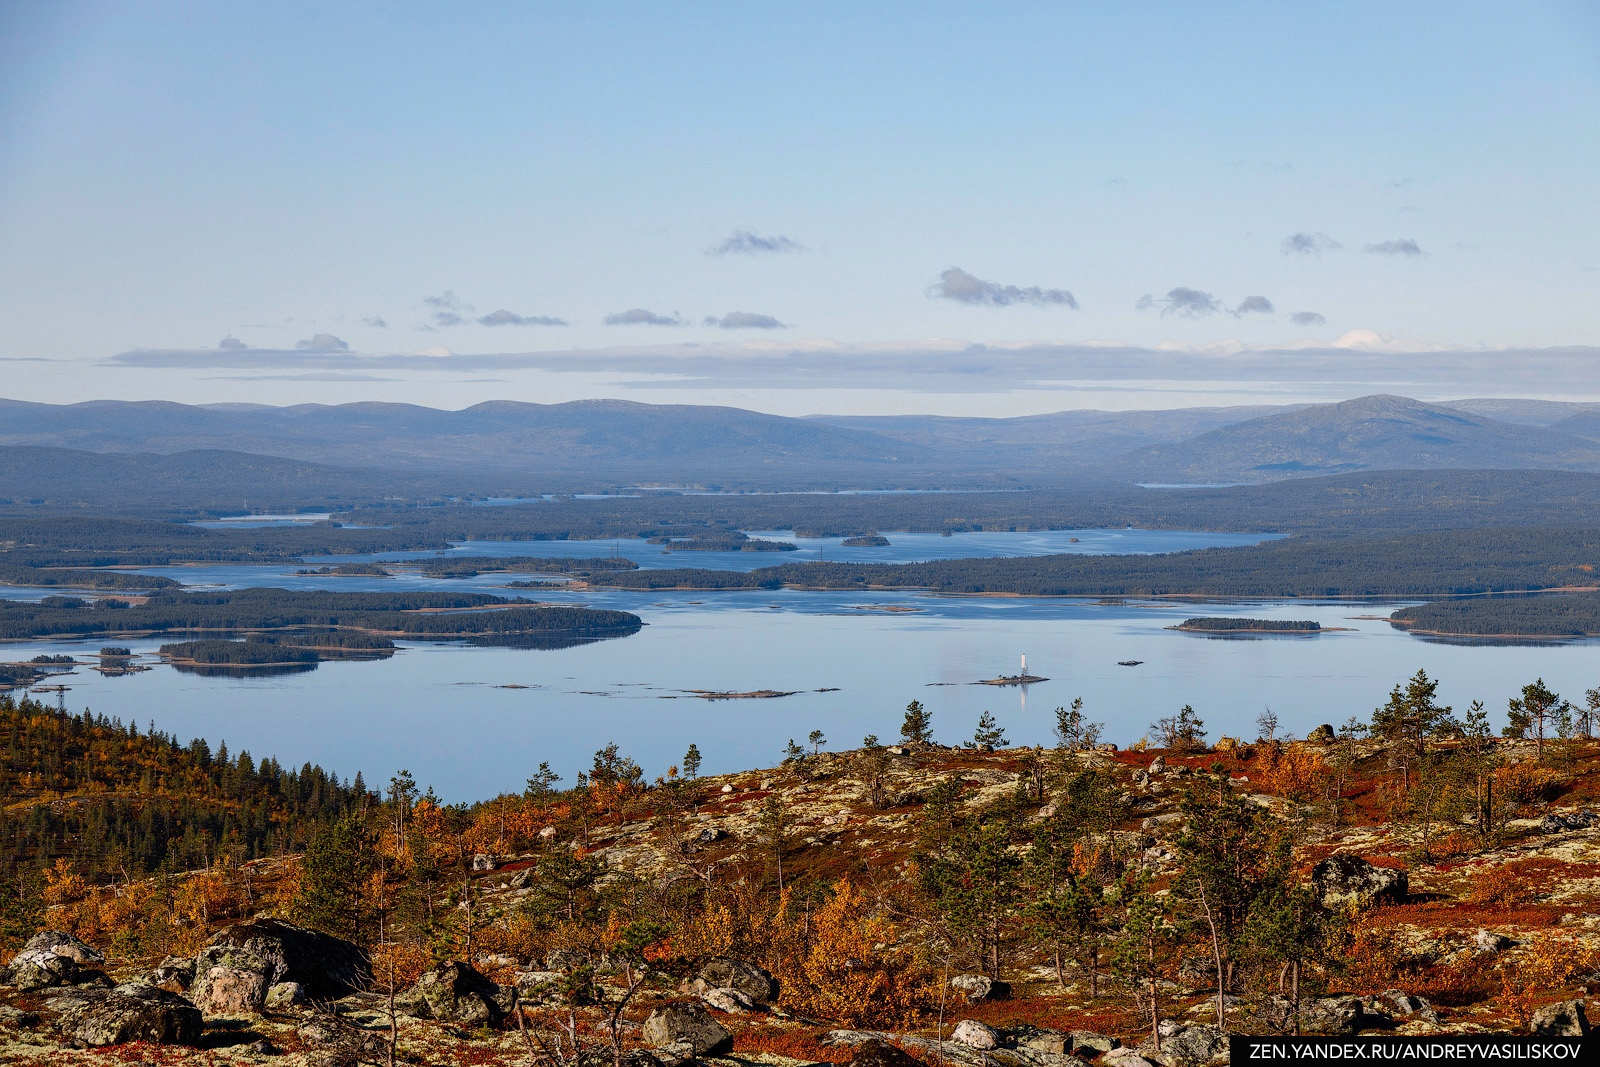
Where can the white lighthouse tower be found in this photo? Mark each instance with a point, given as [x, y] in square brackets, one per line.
[1024, 665]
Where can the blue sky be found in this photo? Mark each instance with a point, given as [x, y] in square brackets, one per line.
[753, 180]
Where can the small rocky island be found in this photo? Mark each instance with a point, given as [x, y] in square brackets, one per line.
[1014, 679]
[866, 541]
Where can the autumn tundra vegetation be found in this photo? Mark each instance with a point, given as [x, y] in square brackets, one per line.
[1411, 870]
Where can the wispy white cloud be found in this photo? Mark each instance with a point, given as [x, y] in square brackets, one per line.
[1183, 302]
[642, 317]
[511, 318]
[750, 243]
[1308, 244]
[1399, 246]
[744, 320]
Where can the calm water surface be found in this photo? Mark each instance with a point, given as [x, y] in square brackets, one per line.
[446, 712]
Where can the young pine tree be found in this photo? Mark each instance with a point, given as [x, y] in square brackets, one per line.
[1409, 719]
[691, 761]
[1531, 712]
[1074, 732]
[989, 735]
[917, 727]
[542, 784]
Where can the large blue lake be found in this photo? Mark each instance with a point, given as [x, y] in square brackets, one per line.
[448, 712]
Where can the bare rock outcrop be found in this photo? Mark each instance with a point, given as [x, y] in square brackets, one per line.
[690, 1024]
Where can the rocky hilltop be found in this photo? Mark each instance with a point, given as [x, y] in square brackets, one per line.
[881, 906]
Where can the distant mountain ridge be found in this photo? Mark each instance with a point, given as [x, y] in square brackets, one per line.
[1369, 433]
[401, 448]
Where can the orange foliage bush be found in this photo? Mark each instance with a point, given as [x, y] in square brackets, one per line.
[796, 1045]
[848, 968]
[1527, 782]
[1503, 887]
[1547, 965]
[408, 961]
[1290, 772]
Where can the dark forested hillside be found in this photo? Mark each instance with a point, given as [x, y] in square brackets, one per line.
[143, 801]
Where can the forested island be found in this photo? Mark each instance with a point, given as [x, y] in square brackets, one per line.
[1430, 563]
[721, 541]
[472, 566]
[348, 570]
[1550, 615]
[1222, 625]
[476, 617]
[866, 541]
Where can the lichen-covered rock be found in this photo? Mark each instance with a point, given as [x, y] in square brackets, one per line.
[1406, 1005]
[979, 987]
[1321, 735]
[724, 972]
[875, 1053]
[228, 990]
[1565, 1018]
[1560, 822]
[1093, 1042]
[282, 996]
[690, 1023]
[973, 1034]
[456, 993]
[1124, 1057]
[1196, 1045]
[1342, 880]
[724, 998]
[133, 1012]
[1331, 1015]
[54, 958]
[174, 974]
[1052, 1041]
[328, 967]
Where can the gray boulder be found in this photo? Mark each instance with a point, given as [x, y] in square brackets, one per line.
[1092, 1042]
[724, 972]
[1321, 735]
[726, 999]
[1406, 1005]
[54, 958]
[1343, 880]
[1195, 1045]
[689, 1023]
[1124, 1057]
[233, 988]
[328, 967]
[455, 993]
[1331, 1015]
[1051, 1041]
[285, 995]
[174, 974]
[875, 1053]
[979, 987]
[1565, 1018]
[133, 1012]
[973, 1034]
